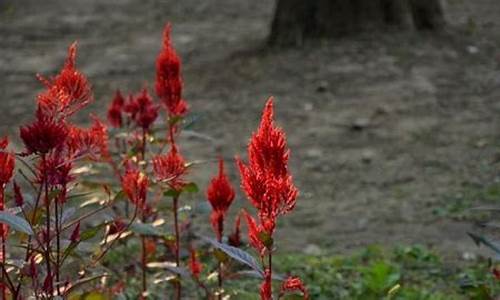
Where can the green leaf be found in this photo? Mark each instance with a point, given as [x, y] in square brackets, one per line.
[171, 193]
[15, 222]
[145, 229]
[479, 239]
[191, 188]
[91, 232]
[237, 254]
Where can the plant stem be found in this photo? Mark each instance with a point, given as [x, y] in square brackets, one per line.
[177, 238]
[143, 238]
[143, 262]
[270, 266]
[4, 292]
[47, 224]
[219, 271]
[58, 243]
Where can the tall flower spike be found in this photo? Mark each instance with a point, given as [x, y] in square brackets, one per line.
[170, 168]
[135, 185]
[266, 179]
[115, 110]
[68, 92]
[168, 77]
[220, 194]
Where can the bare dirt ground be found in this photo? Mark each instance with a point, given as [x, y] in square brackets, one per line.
[385, 129]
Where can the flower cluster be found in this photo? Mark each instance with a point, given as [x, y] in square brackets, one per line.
[148, 167]
[220, 194]
[266, 179]
[168, 78]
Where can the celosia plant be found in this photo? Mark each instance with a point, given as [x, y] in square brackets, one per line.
[58, 239]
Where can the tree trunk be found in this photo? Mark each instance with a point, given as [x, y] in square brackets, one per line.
[297, 20]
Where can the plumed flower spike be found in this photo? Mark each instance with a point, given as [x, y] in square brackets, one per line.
[44, 134]
[135, 185]
[7, 162]
[266, 179]
[170, 168]
[115, 110]
[68, 92]
[220, 194]
[168, 77]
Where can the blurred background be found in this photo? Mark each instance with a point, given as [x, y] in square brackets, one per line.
[391, 115]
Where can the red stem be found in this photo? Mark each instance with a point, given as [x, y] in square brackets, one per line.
[4, 292]
[47, 224]
[177, 244]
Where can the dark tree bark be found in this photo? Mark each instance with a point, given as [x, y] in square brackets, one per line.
[297, 20]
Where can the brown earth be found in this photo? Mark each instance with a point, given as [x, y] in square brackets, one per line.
[384, 128]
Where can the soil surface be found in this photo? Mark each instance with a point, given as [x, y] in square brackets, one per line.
[385, 128]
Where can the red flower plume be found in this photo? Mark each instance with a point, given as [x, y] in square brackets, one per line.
[7, 162]
[67, 92]
[220, 194]
[266, 287]
[92, 142]
[135, 185]
[293, 284]
[44, 134]
[195, 265]
[266, 179]
[115, 110]
[168, 77]
[254, 234]
[170, 168]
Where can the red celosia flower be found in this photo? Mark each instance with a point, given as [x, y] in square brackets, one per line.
[234, 239]
[4, 142]
[254, 234]
[92, 141]
[266, 179]
[44, 134]
[168, 77]
[293, 284]
[7, 162]
[135, 186]
[220, 194]
[170, 168]
[195, 265]
[148, 112]
[265, 287]
[67, 92]
[141, 109]
[115, 110]
[55, 170]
